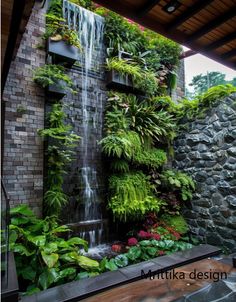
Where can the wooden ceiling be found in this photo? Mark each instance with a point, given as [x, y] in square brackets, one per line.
[14, 17]
[205, 26]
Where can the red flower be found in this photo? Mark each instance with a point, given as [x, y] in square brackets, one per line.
[142, 234]
[161, 253]
[132, 241]
[156, 236]
[116, 248]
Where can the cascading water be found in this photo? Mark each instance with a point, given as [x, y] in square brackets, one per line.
[89, 27]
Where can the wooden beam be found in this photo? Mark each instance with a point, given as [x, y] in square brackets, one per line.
[187, 53]
[229, 54]
[146, 7]
[226, 39]
[212, 25]
[190, 12]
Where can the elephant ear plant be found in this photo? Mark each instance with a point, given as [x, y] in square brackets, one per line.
[43, 258]
[51, 74]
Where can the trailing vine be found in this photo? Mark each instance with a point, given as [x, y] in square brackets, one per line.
[60, 141]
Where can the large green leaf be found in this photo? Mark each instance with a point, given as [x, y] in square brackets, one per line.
[27, 273]
[87, 263]
[152, 251]
[50, 260]
[145, 242]
[69, 257]
[50, 247]
[111, 266]
[37, 240]
[121, 260]
[134, 253]
[48, 277]
[32, 289]
[82, 275]
[22, 209]
[19, 220]
[68, 272]
[78, 241]
[21, 249]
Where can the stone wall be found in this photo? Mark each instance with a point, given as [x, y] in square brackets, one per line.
[207, 152]
[23, 149]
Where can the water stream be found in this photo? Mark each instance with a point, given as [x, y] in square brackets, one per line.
[89, 27]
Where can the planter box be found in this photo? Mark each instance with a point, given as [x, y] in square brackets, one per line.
[119, 82]
[62, 52]
[55, 91]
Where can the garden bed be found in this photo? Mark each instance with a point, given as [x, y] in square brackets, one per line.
[75, 291]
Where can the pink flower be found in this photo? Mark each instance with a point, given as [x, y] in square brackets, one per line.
[132, 241]
[156, 236]
[161, 253]
[142, 234]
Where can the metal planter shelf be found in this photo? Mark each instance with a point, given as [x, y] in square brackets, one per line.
[62, 52]
[118, 81]
[55, 91]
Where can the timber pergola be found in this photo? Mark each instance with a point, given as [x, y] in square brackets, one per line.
[205, 26]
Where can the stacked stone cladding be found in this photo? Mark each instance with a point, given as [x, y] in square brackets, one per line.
[206, 150]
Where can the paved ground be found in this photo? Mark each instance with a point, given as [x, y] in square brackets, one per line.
[179, 284]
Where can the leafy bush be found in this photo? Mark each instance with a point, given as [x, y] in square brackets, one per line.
[43, 259]
[50, 74]
[131, 196]
[145, 81]
[121, 144]
[152, 158]
[179, 181]
[59, 154]
[177, 222]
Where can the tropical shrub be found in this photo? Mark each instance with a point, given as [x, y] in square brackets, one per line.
[178, 181]
[43, 258]
[50, 74]
[177, 222]
[145, 81]
[60, 141]
[131, 196]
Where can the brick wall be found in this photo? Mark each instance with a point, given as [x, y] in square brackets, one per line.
[23, 149]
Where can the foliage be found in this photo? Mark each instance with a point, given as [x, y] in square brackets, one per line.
[59, 154]
[177, 222]
[55, 8]
[197, 107]
[152, 158]
[131, 196]
[57, 29]
[146, 81]
[121, 144]
[84, 3]
[178, 181]
[50, 74]
[43, 259]
[148, 249]
[141, 116]
[120, 34]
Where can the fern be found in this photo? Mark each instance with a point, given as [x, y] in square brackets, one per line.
[152, 158]
[131, 196]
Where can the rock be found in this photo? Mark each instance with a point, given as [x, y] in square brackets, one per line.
[232, 151]
[231, 200]
[214, 239]
[201, 176]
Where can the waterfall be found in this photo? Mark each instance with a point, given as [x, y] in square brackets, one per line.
[89, 27]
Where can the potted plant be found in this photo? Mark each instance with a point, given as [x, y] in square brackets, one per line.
[53, 78]
[62, 43]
